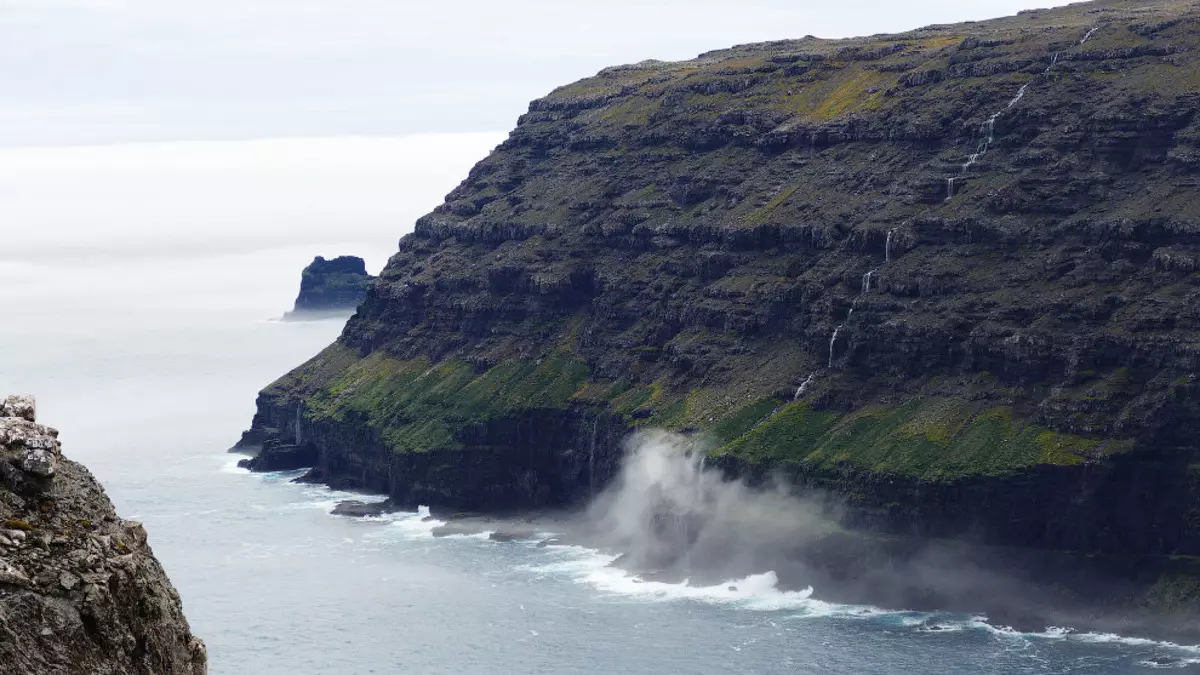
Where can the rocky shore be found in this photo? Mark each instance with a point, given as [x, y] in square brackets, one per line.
[80, 589]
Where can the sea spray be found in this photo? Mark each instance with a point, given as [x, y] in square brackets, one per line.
[670, 512]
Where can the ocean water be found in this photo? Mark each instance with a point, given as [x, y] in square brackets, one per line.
[146, 348]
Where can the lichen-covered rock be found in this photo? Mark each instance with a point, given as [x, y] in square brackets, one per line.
[335, 285]
[19, 405]
[80, 589]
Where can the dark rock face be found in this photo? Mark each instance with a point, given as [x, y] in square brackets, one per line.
[332, 285]
[80, 589]
[949, 275]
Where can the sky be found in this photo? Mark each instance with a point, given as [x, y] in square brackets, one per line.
[82, 72]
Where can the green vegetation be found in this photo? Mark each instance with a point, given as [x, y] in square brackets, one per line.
[934, 439]
[418, 406]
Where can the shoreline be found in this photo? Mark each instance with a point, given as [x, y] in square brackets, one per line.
[827, 569]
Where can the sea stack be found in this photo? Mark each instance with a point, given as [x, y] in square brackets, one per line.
[331, 286]
[80, 589]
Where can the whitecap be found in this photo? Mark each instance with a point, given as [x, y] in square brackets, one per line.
[1112, 638]
[419, 525]
[756, 592]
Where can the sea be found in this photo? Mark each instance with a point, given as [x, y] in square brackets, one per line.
[141, 290]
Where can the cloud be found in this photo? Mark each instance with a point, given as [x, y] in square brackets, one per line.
[152, 69]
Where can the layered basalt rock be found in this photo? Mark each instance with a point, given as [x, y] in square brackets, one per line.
[80, 589]
[331, 286]
[949, 275]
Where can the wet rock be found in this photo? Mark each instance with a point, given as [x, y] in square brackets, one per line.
[459, 527]
[357, 509]
[512, 535]
[281, 457]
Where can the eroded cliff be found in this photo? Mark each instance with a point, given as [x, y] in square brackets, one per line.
[949, 275]
[80, 589]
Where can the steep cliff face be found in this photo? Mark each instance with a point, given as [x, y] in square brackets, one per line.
[950, 275]
[334, 285]
[80, 589]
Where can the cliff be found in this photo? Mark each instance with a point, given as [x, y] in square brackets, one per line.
[80, 589]
[332, 285]
[948, 275]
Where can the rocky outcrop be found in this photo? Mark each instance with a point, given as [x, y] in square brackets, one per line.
[327, 286]
[80, 589]
[948, 275]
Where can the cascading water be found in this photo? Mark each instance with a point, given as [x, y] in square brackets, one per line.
[803, 386]
[866, 288]
[887, 247]
[299, 438]
[1089, 34]
[592, 459]
[832, 342]
[988, 131]
[987, 137]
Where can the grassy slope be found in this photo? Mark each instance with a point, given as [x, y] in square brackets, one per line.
[419, 406]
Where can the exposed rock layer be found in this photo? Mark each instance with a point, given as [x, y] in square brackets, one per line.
[80, 589]
[949, 275]
[335, 285]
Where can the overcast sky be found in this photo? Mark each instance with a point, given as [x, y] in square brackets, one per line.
[105, 71]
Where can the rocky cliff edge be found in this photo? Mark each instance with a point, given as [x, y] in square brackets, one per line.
[80, 589]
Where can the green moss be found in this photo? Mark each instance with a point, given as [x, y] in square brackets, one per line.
[761, 215]
[672, 416]
[935, 439]
[744, 420]
[1174, 591]
[18, 524]
[416, 406]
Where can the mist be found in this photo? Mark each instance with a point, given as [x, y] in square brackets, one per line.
[681, 527]
[671, 514]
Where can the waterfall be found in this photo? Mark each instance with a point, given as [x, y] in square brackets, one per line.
[1090, 33]
[987, 136]
[887, 247]
[804, 386]
[832, 342]
[988, 129]
[592, 460]
[866, 285]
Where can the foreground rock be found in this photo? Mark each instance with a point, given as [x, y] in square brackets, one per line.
[80, 589]
[331, 286]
